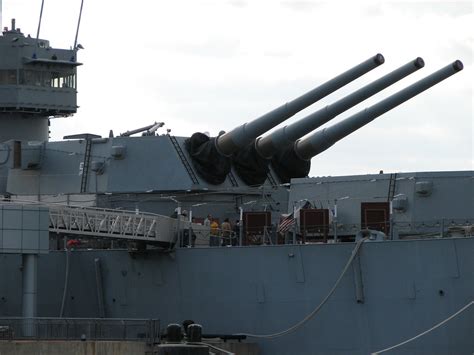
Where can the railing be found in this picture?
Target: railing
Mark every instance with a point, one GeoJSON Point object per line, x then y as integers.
{"type": "Point", "coordinates": [322, 233]}
{"type": "Point", "coordinates": [150, 228]}
{"type": "Point", "coordinates": [258, 236]}
{"type": "Point", "coordinates": [444, 227]}
{"type": "Point", "coordinates": [146, 330]}
{"type": "Point", "coordinates": [218, 237]}
{"type": "Point", "coordinates": [106, 223]}
{"type": "Point", "coordinates": [204, 236]}
{"type": "Point", "coordinates": [114, 224]}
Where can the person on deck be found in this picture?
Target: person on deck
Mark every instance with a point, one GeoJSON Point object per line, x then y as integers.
{"type": "Point", "coordinates": [226, 229]}
{"type": "Point", "coordinates": [214, 237]}
{"type": "Point", "coordinates": [236, 233]}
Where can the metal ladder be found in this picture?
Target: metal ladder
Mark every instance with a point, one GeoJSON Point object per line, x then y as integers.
{"type": "Point", "coordinates": [271, 179]}
{"type": "Point", "coordinates": [85, 165]}
{"type": "Point", "coordinates": [232, 179]}
{"type": "Point", "coordinates": [391, 186]}
{"type": "Point", "coordinates": [185, 162]}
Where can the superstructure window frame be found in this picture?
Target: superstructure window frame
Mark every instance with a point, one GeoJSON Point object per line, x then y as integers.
{"type": "Point", "coordinates": [8, 77]}
{"type": "Point", "coordinates": [50, 77]}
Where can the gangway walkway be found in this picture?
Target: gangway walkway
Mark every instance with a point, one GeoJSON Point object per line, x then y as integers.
{"type": "Point", "coordinates": [107, 223]}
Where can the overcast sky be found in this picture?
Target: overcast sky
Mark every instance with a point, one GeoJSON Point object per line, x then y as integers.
{"type": "Point", "coordinates": [212, 65]}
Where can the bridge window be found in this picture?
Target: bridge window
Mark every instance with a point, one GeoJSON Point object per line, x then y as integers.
{"type": "Point", "coordinates": [8, 77]}
{"type": "Point", "coordinates": [45, 78]}
{"type": "Point", "coordinates": [63, 80]}
{"type": "Point", "coordinates": [30, 77]}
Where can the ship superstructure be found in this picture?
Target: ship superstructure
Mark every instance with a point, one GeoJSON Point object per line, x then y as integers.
{"type": "Point", "coordinates": [413, 264]}
{"type": "Point", "coordinates": [37, 82]}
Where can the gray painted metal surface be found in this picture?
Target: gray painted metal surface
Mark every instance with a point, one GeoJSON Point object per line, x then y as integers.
{"type": "Point", "coordinates": [449, 203]}
{"type": "Point", "coordinates": [59, 168]}
{"type": "Point", "coordinates": [20, 128]}
{"type": "Point", "coordinates": [30, 286]}
{"type": "Point", "coordinates": [265, 289]}
{"type": "Point", "coordinates": [24, 229]}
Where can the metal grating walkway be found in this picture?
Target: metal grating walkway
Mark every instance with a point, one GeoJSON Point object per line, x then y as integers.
{"type": "Point", "coordinates": [117, 224]}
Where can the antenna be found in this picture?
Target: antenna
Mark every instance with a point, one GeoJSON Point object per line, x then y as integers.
{"type": "Point", "coordinates": [78, 25]}
{"type": "Point", "coordinates": [39, 26]}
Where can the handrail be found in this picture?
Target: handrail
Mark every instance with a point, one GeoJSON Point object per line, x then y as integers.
{"type": "Point", "coordinates": [52, 328]}
{"type": "Point", "coordinates": [60, 204]}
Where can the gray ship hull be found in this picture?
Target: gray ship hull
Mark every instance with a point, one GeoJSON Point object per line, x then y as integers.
{"type": "Point", "coordinates": [407, 287]}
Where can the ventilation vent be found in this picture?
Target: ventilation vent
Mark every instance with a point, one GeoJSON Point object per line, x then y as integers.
{"type": "Point", "coordinates": [118, 151]}
{"type": "Point", "coordinates": [424, 188]}
{"type": "Point", "coordinates": [97, 167]}
{"type": "Point", "coordinates": [400, 203]}
{"type": "Point", "coordinates": [31, 155]}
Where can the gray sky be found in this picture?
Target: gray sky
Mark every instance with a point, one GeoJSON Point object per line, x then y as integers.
{"type": "Point", "coordinates": [212, 65]}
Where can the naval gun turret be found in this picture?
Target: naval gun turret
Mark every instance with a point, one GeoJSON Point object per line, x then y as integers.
{"type": "Point", "coordinates": [295, 161]}
{"type": "Point", "coordinates": [252, 162]}
{"type": "Point", "coordinates": [211, 157]}
{"type": "Point", "coordinates": [37, 82]}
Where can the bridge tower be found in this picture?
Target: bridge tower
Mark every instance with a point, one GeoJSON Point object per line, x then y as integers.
{"type": "Point", "coordinates": [37, 83]}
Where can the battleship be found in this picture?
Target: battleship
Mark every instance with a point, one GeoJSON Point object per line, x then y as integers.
{"type": "Point", "coordinates": [114, 227]}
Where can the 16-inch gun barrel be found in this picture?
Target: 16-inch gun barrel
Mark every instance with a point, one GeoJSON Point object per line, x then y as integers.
{"type": "Point", "coordinates": [243, 135]}
{"type": "Point", "coordinates": [268, 145]}
{"type": "Point", "coordinates": [320, 141]}
{"type": "Point", "coordinates": [295, 161]}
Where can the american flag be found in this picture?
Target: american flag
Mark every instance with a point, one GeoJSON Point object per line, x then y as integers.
{"type": "Point", "coordinates": [286, 222]}
{"type": "Point", "coordinates": [289, 220]}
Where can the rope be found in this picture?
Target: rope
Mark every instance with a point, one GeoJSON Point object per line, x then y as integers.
{"type": "Point", "coordinates": [318, 308]}
{"type": "Point", "coordinates": [66, 282]}
{"type": "Point", "coordinates": [426, 331]}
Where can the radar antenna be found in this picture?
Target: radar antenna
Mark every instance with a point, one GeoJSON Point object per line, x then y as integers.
{"type": "Point", "coordinates": [78, 25]}
{"type": "Point", "coordinates": [38, 31]}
